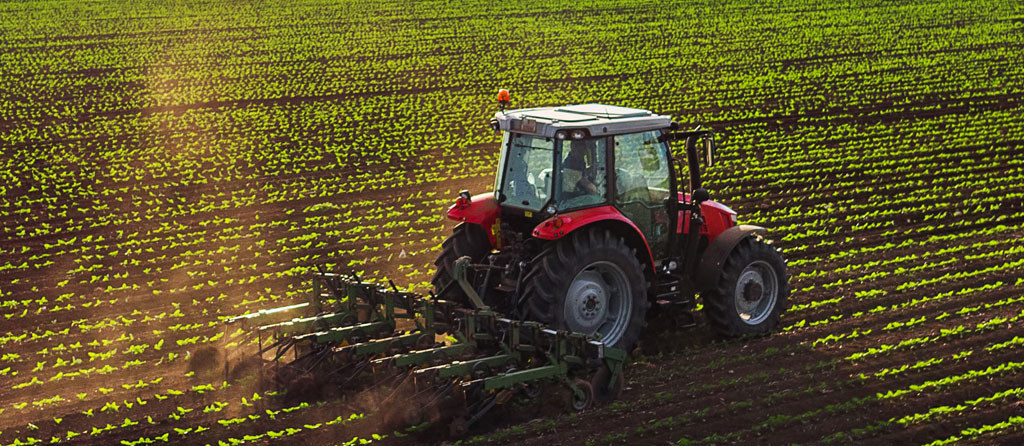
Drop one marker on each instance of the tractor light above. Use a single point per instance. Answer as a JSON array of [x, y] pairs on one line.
[[464, 199], [551, 210], [557, 222], [561, 134], [578, 134], [504, 98]]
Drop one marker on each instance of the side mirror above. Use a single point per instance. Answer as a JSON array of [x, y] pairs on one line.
[[700, 195]]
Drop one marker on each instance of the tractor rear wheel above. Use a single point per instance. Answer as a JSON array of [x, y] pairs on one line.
[[467, 239], [589, 282], [752, 291]]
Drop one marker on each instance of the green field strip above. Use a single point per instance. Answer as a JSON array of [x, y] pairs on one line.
[[896, 307], [165, 339], [1013, 422], [930, 389], [116, 415], [915, 271], [838, 408], [944, 251], [283, 423], [751, 379], [944, 412], [678, 421], [694, 415], [924, 323]]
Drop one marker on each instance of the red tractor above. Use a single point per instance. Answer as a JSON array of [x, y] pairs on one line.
[[587, 228]]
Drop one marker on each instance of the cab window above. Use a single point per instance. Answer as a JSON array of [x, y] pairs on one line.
[[582, 173], [641, 168]]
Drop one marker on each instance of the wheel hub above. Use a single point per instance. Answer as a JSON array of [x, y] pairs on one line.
[[599, 302], [756, 292], [588, 298]]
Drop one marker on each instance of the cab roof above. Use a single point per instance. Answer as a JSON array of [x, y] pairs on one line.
[[596, 119]]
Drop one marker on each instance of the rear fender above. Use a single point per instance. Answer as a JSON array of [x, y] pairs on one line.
[[606, 216], [710, 268], [481, 210]]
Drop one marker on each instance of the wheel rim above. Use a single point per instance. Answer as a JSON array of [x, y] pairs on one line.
[[757, 289], [599, 302]]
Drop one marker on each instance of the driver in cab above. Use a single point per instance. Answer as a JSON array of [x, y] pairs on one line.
[[577, 175]]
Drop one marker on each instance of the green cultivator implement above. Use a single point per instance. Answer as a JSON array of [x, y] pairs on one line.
[[457, 361]]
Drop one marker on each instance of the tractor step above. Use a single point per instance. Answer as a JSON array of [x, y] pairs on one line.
[[674, 289]]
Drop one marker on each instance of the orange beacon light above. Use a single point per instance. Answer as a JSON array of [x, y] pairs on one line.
[[504, 98]]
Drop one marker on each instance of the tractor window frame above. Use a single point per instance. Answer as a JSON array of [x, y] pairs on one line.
[[606, 195], [661, 151], [503, 199]]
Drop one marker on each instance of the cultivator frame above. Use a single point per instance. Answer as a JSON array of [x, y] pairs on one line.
[[359, 334]]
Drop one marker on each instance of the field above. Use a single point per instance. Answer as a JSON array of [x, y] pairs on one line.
[[169, 164]]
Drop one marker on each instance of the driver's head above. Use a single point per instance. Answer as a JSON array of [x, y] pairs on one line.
[[579, 147]]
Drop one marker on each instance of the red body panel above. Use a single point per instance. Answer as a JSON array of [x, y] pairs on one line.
[[483, 210], [574, 220], [717, 218]]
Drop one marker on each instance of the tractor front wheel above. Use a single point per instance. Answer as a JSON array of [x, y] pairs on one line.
[[751, 293], [590, 282]]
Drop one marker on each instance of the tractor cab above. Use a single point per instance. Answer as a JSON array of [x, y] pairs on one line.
[[563, 159]]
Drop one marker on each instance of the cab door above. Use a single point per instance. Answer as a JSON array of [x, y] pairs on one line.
[[642, 186]]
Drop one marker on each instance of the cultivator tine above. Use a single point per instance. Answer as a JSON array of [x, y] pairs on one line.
[[481, 409]]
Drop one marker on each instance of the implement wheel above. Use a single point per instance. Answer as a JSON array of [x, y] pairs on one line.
[[590, 282], [467, 239], [577, 402], [752, 291]]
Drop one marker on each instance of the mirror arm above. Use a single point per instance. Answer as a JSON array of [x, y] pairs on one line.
[[694, 162]]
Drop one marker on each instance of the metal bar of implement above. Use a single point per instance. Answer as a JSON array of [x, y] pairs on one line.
[[251, 317], [316, 299], [463, 368], [422, 356], [342, 334], [327, 276], [507, 380], [459, 271], [382, 345], [615, 354], [445, 289], [303, 324]]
